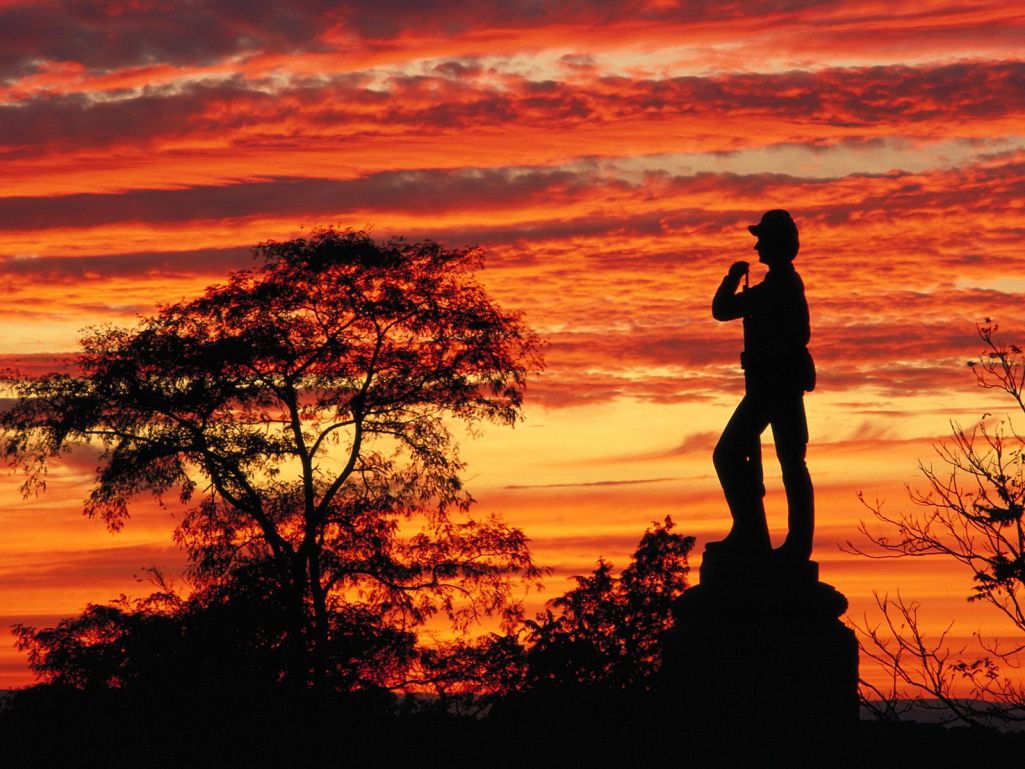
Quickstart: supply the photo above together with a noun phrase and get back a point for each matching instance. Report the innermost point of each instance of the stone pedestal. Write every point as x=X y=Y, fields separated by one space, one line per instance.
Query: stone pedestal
x=758 y=653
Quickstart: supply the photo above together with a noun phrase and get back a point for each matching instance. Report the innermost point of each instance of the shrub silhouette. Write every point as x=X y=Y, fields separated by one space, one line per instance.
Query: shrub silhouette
x=606 y=631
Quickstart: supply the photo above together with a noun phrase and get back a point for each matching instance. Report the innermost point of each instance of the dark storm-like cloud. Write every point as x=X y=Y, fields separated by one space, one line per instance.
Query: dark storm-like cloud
x=34 y=365
x=106 y=35
x=905 y=210
x=820 y=108
x=887 y=197
x=391 y=18
x=204 y=261
x=77 y=121
x=879 y=261
x=420 y=192
x=111 y=34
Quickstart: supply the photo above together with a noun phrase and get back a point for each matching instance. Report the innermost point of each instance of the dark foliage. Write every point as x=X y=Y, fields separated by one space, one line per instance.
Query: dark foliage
x=171 y=682
x=229 y=636
x=606 y=632
x=601 y=637
x=233 y=633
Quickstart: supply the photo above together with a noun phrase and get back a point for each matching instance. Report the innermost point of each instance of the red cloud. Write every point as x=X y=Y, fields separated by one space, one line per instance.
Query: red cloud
x=606 y=115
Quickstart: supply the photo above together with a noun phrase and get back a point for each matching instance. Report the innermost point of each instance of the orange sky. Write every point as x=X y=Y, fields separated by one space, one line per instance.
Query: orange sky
x=607 y=155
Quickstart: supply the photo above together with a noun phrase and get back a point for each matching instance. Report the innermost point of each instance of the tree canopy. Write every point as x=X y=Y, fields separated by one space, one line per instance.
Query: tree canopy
x=302 y=410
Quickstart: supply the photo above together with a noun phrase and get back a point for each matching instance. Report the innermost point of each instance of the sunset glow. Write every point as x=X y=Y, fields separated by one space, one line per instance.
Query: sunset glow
x=607 y=157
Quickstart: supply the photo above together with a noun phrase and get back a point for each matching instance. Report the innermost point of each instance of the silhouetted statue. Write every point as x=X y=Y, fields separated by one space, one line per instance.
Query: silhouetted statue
x=758 y=660
x=778 y=370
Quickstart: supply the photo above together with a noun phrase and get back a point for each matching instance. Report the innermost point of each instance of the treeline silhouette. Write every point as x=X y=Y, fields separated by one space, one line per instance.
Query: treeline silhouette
x=205 y=678
x=301 y=414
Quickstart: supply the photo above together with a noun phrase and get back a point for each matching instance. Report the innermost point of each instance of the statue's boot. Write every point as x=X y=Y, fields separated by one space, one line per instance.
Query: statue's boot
x=798 y=543
x=739 y=544
x=800 y=515
x=791 y=552
x=750 y=532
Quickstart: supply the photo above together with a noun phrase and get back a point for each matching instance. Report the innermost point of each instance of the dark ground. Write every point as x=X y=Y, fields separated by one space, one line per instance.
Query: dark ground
x=54 y=728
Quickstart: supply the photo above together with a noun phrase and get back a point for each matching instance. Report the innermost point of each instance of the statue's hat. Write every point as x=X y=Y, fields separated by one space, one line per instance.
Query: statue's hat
x=775 y=223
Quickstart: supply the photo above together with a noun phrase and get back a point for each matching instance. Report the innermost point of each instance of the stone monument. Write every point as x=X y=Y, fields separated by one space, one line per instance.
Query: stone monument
x=758 y=651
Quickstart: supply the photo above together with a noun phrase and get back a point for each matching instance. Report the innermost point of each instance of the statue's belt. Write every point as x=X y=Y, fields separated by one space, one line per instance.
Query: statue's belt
x=763 y=358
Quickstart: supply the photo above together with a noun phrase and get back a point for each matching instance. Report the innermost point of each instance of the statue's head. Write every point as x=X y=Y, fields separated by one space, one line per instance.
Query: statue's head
x=777 y=237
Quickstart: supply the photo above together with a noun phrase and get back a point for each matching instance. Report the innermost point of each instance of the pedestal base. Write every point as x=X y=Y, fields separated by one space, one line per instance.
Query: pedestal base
x=758 y=651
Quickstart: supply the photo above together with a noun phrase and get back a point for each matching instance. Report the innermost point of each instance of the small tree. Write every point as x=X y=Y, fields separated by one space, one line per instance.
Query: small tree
x=603 y=635
x=607 y=631
x=301 y=409
x=971 y=512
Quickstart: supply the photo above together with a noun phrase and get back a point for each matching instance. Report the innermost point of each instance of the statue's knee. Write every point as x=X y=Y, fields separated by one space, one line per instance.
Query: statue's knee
x=795 y=472
x=729 y=459
x=721 y=455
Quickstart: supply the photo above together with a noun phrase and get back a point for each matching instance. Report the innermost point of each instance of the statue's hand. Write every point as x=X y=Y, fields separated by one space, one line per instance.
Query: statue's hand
x=738 y=270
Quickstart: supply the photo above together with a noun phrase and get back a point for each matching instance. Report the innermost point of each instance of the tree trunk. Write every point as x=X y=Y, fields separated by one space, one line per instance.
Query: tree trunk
x=320 y=621
x=297 y=671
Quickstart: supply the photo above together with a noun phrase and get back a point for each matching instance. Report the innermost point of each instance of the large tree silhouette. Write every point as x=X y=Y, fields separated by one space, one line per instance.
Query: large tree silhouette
x=302 y=410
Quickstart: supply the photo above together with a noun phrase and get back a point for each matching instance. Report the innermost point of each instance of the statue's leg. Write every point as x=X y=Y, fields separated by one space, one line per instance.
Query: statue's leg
x=755 y=472
x=738 y=463
x=790 y=432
